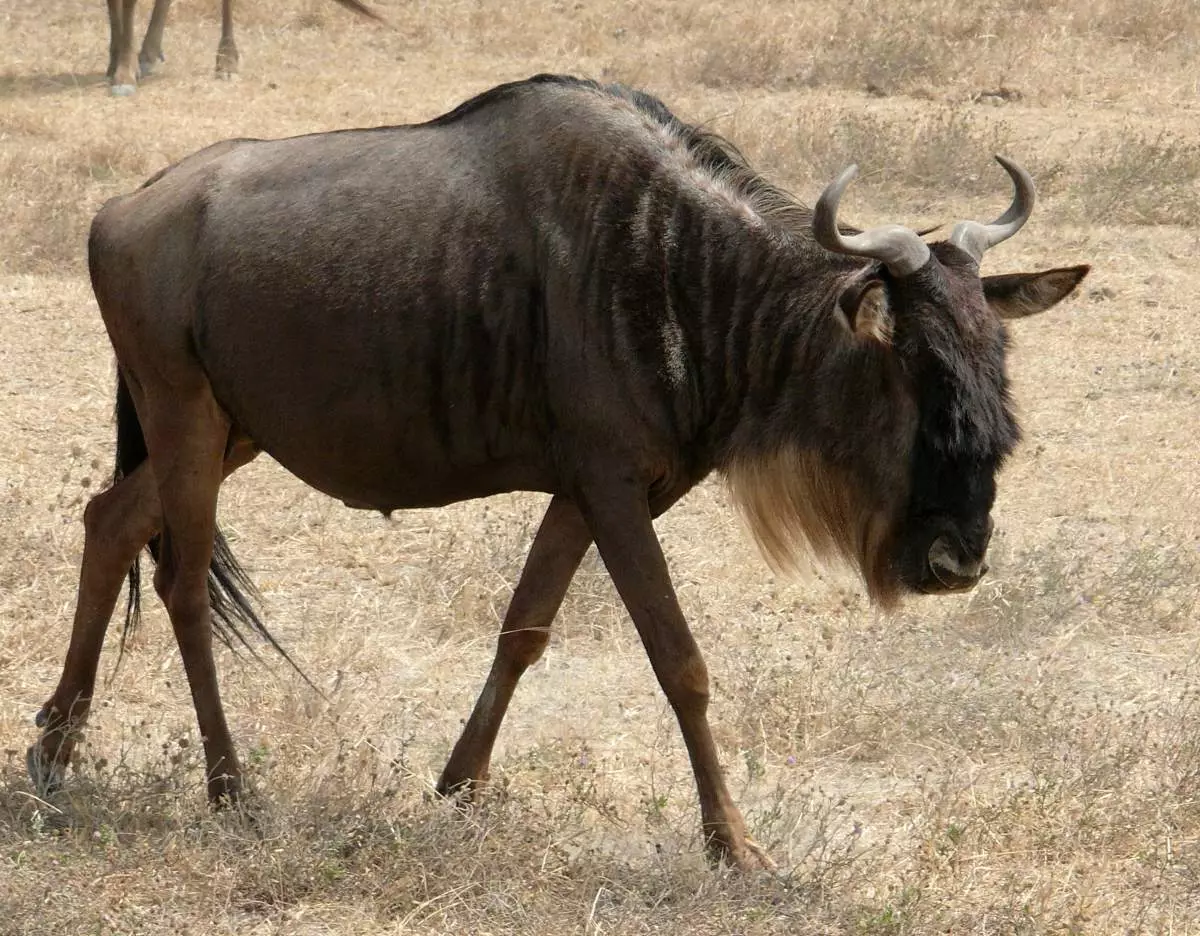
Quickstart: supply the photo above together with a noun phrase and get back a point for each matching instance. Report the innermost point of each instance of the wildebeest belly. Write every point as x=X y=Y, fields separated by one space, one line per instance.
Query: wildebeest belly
x=378 y=430
x=383 y=390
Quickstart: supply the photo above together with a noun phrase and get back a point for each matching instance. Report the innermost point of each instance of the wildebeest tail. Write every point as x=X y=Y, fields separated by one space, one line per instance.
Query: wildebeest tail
x=131 y=452
x=231 y=594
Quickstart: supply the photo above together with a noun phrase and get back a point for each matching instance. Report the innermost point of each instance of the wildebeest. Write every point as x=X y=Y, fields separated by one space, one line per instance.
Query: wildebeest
x=558 y=287
x=124 y=69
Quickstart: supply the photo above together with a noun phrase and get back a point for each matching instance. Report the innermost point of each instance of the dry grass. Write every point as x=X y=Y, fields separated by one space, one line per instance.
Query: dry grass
x=943 y=46
x=1025 y=759
x=1131 y=178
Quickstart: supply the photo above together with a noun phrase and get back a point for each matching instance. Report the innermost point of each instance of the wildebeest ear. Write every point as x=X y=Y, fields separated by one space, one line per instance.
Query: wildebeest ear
x=1016 y=295
x=865 y=309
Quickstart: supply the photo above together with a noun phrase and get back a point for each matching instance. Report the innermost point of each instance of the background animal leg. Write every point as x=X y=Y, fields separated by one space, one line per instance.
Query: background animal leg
x=122 y=63
x=115 y=28
x=152 y=54
x=227 y=53
x=620 y=521
x=560 y=543
x=117 y=524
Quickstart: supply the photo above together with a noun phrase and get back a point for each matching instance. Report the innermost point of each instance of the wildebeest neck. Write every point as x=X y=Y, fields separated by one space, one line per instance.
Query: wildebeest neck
x=751 y=370
x=818 y=456
x=695 y=272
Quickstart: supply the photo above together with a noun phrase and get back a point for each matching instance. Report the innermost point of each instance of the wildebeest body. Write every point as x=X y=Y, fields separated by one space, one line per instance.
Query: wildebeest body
x=451 y=384
x=491 y=297
x=559 y=287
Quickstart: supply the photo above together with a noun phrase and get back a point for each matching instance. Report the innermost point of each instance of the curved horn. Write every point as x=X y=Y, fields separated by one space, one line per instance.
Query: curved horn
x=900 y=249
x=976 y=238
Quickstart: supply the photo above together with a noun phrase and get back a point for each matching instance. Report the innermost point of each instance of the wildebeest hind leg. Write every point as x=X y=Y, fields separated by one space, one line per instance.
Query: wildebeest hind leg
x=185 y=438
x=117 y=522
x=561 y=541
x=620 y=521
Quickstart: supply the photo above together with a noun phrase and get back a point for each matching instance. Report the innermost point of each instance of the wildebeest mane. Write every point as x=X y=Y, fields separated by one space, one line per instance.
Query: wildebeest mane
x=724 y=161
x=711 y=152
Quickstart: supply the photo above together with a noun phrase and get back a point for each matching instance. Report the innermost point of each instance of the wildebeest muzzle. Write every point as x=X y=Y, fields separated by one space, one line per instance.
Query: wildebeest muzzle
x=956 y=563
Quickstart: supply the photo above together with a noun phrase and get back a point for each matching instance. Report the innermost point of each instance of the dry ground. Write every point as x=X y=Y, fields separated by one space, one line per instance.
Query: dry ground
x=1024 y=759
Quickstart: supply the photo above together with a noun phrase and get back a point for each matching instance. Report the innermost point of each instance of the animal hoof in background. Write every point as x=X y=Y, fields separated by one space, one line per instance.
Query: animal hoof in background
x=42 y=718
x=225 y=793
x=227 y=63
x=122 y=90
x=241 y=809
x=149 y=66
x=47 y=777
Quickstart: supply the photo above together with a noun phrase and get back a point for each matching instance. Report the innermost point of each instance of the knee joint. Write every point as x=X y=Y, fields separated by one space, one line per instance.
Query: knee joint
x=163 y=580
x=685 y=682
x=186 y=605
x=98 y=517
x=524 y=647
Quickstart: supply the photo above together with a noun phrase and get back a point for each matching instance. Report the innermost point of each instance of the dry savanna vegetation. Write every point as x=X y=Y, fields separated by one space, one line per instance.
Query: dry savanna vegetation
x=1022 y=759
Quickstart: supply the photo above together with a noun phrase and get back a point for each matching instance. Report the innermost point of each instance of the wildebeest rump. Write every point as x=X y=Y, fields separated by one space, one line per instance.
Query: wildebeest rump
x=124 y=68
x=556 y=287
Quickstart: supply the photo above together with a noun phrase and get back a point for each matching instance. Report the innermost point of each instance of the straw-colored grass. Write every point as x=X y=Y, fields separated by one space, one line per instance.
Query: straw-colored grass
x=1023 y=759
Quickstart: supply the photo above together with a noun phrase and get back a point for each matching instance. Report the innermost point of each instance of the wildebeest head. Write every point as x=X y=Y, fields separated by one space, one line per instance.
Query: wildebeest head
x=911 y=506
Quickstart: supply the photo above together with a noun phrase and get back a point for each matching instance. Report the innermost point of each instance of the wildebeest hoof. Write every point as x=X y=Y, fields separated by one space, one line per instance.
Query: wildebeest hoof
x=47 y=777
x=238 y=807
x=743 y=853
x=122 y=90
x=462 y=792
x=752 y=857
x=462 y=795
x=224 y=794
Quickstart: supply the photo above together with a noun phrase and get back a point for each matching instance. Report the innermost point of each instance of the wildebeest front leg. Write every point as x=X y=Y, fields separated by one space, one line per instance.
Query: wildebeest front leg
x=620 y=520
x=560 y=544
x=117 y=524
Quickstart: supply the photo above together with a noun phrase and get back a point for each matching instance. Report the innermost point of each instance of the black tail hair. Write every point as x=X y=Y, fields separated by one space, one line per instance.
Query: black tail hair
x=231 y=594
